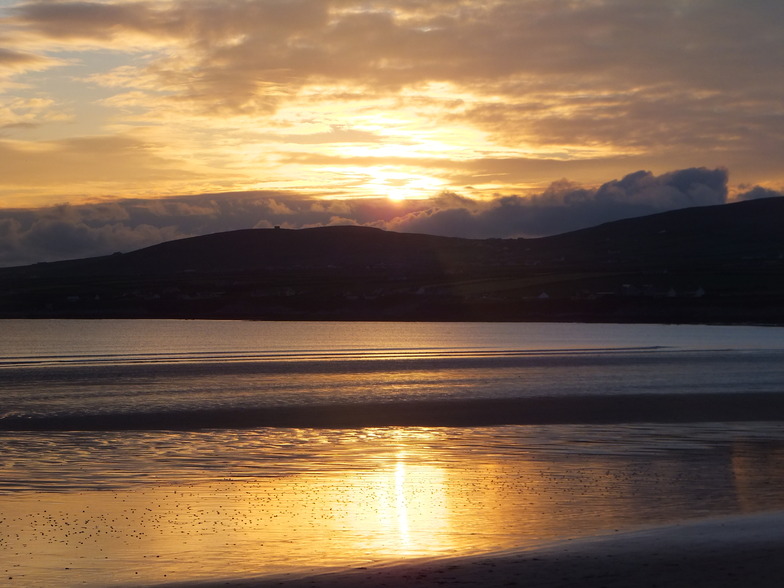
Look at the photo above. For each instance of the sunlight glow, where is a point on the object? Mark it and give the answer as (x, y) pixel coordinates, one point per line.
(400, 494)
(356, 497)
(395, 183)
(263, 95)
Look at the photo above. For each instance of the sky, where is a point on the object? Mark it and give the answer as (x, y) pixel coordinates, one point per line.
(124, 123)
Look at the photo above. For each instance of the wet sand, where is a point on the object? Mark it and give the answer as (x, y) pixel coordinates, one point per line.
(739, 551)
(147, 509)
(475, 412)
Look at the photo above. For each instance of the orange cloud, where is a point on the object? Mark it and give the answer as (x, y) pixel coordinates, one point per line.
(403, 98)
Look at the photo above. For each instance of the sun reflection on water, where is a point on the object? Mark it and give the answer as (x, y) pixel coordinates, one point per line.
(402, 509)
(358, 497)
(413, 509)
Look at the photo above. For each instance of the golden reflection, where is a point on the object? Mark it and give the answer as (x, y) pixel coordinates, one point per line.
(413, 509)
(400, 494)
(756, 469)
(368, 496)
(396, 506)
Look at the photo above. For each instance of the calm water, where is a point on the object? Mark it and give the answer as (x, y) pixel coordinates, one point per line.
(137, 507)
(134, 367)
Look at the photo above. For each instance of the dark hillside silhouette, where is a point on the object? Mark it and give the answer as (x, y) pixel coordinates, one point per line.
(706, 264)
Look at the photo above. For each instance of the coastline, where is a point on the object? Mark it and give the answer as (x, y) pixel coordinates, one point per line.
(226, 453)
(535, 410)
(746, 317)
(734, 551)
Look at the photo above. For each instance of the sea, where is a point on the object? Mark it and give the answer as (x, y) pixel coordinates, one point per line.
(147, 452)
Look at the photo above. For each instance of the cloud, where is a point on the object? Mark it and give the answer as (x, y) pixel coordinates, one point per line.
(101, 228)
(499, 96)
(32, 112)
(337, 134)
(15, 59)
(89, 20)
(566, 206)
(496, 46)
(107, 162)
(758, 192)
(14, 63)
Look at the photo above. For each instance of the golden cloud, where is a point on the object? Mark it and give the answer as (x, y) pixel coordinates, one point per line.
(459, 95)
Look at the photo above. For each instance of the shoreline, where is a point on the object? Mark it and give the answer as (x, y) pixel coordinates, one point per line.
(663, 408)
(733, 551)
(641, 319)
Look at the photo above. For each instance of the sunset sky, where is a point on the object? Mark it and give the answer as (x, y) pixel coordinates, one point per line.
(125, 123)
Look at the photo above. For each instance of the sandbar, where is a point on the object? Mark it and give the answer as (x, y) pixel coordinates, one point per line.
(742, 550)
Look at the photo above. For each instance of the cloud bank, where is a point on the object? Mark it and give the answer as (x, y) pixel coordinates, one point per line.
(66, 231)
(366, 98)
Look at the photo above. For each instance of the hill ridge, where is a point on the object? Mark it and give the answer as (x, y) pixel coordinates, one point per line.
(647, 268)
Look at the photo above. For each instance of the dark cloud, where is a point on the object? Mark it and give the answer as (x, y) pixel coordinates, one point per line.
(614, 44)
(10, 58)
(566, 206)
(66, 231)
(62, 232)
(81, 19)
(758, 192)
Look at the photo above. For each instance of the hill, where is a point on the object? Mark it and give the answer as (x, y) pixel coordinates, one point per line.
(707, 264)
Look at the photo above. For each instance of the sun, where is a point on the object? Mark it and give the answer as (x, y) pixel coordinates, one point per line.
(395, 183)
(400, 184)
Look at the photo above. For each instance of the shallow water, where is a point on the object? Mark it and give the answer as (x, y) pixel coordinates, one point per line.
(123, 507)
(72, 368)
(147, 508)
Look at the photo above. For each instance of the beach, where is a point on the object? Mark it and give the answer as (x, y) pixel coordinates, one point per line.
(719, 552)
(145, 453)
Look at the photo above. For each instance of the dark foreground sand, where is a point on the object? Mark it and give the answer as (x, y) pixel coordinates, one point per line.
(742, 551)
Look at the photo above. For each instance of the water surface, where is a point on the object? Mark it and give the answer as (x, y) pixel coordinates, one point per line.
(117, 506)
(52, 368)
